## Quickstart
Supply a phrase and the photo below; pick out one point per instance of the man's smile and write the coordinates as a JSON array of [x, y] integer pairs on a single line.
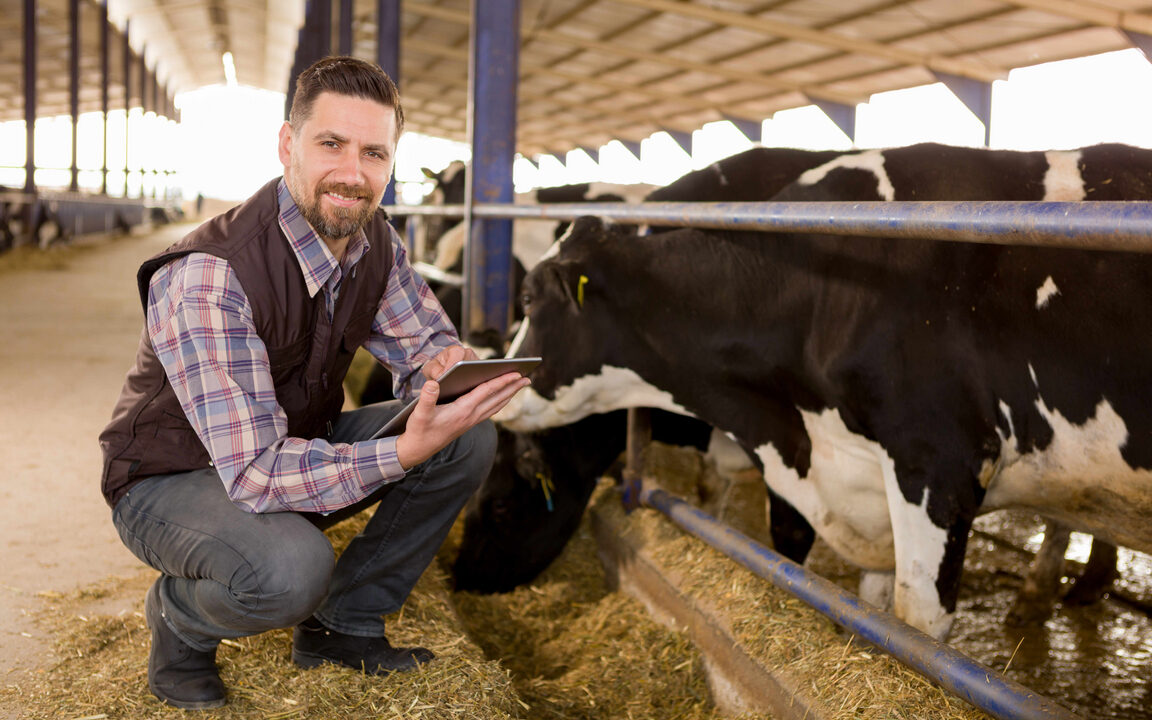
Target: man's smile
[[343, 200]]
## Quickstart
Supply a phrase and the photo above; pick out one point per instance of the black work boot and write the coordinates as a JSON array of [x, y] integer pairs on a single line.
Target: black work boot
[[313, 644], [178, 674]]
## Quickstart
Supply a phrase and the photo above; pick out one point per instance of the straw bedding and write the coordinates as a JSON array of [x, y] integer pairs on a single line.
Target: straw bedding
[[563, 647]]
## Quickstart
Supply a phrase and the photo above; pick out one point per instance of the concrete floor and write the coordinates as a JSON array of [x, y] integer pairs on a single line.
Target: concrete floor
[[68, 335]]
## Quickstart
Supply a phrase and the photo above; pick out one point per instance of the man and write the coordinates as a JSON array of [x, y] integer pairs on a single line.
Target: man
[[227, 453]]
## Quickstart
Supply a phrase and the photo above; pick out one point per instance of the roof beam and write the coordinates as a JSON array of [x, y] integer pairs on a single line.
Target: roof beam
[[687, 102], [1091, 13], [704, 68], [823, 38], [617, 49]]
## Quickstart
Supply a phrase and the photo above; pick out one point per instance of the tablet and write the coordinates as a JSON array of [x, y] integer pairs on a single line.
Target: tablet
[[457, 381]]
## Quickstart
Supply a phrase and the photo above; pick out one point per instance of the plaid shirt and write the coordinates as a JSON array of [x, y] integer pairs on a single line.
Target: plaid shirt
[[201, 326]]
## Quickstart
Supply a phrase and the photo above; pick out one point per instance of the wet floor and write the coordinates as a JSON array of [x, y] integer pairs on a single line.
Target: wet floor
[[1096, 660]]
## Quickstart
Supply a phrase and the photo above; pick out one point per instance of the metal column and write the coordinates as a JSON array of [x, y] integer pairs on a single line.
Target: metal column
[[105, 80], [143, 110], [492, 80], [345, 34], [323, 20], [127, 99], [74, 85], [29, 105], [388, 58]]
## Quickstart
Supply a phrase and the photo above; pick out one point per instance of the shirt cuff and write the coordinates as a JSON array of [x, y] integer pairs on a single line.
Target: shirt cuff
[[377, 462]]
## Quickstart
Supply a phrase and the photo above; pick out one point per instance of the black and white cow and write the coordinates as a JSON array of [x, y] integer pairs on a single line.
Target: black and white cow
[[440, 240], [508, 536], [890, 389]]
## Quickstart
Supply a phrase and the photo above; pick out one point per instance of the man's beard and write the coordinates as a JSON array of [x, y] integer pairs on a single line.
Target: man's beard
[[342, 222]]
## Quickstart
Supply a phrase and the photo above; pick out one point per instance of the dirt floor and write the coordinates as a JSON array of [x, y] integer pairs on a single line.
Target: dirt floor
[[68, 339]]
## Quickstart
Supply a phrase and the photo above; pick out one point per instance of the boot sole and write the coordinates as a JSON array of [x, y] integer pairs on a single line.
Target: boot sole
[[305, 660], [308, 661], [187, 704]]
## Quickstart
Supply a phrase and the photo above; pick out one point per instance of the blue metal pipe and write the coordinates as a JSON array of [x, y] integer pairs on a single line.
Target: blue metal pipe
[[493, 77], [1095, 225], [984, 688]]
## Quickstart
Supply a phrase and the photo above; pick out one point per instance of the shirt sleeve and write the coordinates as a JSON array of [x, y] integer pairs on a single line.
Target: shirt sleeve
[[201, 327], [410, 327]]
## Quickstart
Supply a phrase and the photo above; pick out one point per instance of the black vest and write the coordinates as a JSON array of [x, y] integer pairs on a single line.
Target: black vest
[[309, 354]]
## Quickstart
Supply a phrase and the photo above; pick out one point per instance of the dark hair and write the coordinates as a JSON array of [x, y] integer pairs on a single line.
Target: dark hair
[[344, 75]]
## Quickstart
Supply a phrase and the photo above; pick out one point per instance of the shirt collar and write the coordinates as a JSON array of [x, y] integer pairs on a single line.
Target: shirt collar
[[316, 261]]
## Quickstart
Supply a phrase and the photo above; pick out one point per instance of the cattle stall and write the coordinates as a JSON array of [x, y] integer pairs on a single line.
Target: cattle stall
[[1086, 225]]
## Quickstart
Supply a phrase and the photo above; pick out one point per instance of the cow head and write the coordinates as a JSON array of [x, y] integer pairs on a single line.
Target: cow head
[[532, 501], [448, 189], [578, 318]]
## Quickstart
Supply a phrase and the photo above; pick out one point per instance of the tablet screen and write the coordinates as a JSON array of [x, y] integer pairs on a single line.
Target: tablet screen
[[458, 380]]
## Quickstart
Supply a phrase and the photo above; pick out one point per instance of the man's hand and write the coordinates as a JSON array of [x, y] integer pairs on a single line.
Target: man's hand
[[431, 427], [437, 366]]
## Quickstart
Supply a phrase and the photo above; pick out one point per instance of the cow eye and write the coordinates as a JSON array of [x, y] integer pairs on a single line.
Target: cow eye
[[525, 301]]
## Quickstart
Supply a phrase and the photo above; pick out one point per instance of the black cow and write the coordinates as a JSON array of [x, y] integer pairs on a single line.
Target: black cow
[[890, 389], [532, 501]]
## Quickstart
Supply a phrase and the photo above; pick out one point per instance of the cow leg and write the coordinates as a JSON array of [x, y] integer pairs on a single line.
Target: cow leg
[[792, 535], [1098, 576], [1034, 602], [929, 546]]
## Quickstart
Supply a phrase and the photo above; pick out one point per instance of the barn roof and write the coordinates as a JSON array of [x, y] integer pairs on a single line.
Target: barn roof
[[596, 70]]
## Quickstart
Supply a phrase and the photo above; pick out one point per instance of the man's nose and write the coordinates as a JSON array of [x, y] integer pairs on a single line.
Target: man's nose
[[348, 168]]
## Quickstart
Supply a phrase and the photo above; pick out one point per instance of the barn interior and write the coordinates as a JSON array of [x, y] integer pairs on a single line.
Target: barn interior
[[576, 75]]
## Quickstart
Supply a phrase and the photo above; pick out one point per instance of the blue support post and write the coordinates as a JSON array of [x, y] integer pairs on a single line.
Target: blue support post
[[345, 33], [593, 153], [632, 147], [388, 58], [323, 20], [74, 87], [29, 103], [976, 96], [1141, 41], [843, 115], [127, 100], [751, 129], [105, 80], [683, 139], [492, 84]]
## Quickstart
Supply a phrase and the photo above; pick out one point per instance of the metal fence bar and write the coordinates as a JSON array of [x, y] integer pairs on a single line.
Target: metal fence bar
[[984, 688], [1090, 225]]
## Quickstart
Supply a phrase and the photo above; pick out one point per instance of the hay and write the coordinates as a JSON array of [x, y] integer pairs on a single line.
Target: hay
[[26, 257], [562, 648], [777, 629], [576, 650], [102, 660]]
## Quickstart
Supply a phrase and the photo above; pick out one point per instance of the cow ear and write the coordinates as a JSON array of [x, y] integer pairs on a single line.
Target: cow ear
[[574, 283], [429, 174]]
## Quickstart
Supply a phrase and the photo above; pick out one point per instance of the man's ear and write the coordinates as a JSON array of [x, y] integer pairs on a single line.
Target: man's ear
[[284, 146]]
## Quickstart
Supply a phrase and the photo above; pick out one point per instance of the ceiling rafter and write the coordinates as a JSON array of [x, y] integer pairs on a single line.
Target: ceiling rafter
[[1091, 13], [822, 38]]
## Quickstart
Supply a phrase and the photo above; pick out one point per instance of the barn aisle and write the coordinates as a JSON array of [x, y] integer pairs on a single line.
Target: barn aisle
[[70, 321]]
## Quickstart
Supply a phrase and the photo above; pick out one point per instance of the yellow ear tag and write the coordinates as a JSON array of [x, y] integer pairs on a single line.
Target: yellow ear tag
[[546, 485], [580, 290]]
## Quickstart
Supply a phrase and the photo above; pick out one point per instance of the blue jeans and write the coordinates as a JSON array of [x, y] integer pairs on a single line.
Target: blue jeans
[[227, 573]]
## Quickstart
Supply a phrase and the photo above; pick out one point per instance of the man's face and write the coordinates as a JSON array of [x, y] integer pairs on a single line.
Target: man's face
[[338, 163]]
